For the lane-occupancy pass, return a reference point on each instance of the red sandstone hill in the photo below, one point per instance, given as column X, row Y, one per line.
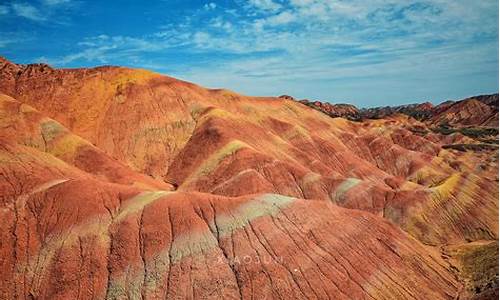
column 419, row 111
column 121, row 183
column 475, row 111
column 347, row 111
column 468, row 112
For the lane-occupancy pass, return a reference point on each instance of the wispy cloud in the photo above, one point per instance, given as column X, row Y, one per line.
column 44, row 11
column 4, row 10
column 28, row 11
column 56, row 2
column 5, row 41
column 268, row 5
column 210, row 6
column 102, row 48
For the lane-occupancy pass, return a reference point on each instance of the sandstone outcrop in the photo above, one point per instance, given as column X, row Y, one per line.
column 122, row 183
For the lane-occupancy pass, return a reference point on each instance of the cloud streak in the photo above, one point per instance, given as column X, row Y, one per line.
column 43, row 12
column 27, row 11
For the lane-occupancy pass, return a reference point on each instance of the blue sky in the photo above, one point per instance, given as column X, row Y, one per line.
column 368, row 53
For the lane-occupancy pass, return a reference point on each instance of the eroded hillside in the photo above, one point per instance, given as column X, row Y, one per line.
column 124, row 183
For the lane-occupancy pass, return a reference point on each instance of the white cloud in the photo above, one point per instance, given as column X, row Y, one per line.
column 269, row 5
column 42, row 60
column 28, row 11
column 221, row 24
column 4, row 10
column 326, row 31
column 91, row 54
column 386, row 27
column 210, row 6
column 56, row 2
column 302, row 3
column 201, row 38
column 282, row 18
column 46, row 11
column 4, row 42
column 104, row 48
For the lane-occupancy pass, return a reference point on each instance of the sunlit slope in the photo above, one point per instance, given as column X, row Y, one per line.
column 117, row 241
column 220, row 142
column 22, row 124
column 124, row 183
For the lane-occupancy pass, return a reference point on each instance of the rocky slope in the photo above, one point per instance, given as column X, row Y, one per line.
column 347, row 111
column 419, row 111
column 475, row 111
column 468, row 112
column 121, row 183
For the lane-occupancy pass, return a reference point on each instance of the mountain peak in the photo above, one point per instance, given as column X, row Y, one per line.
column 4, row 61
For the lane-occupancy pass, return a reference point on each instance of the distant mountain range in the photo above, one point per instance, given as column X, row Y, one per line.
column 477, row 111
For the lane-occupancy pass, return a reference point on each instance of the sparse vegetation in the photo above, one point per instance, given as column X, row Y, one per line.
column 472, row 132
column 472, row 147
column 478, row 265
column 489, row 141
column 419, row 131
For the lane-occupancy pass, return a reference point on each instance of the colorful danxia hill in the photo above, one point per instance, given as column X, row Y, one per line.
column 120, row 183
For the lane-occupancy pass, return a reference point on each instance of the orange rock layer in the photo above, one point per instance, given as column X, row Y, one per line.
column 120, row 183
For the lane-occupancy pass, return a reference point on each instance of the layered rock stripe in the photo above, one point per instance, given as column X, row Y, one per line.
column 121, row 183
column 188, row 245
